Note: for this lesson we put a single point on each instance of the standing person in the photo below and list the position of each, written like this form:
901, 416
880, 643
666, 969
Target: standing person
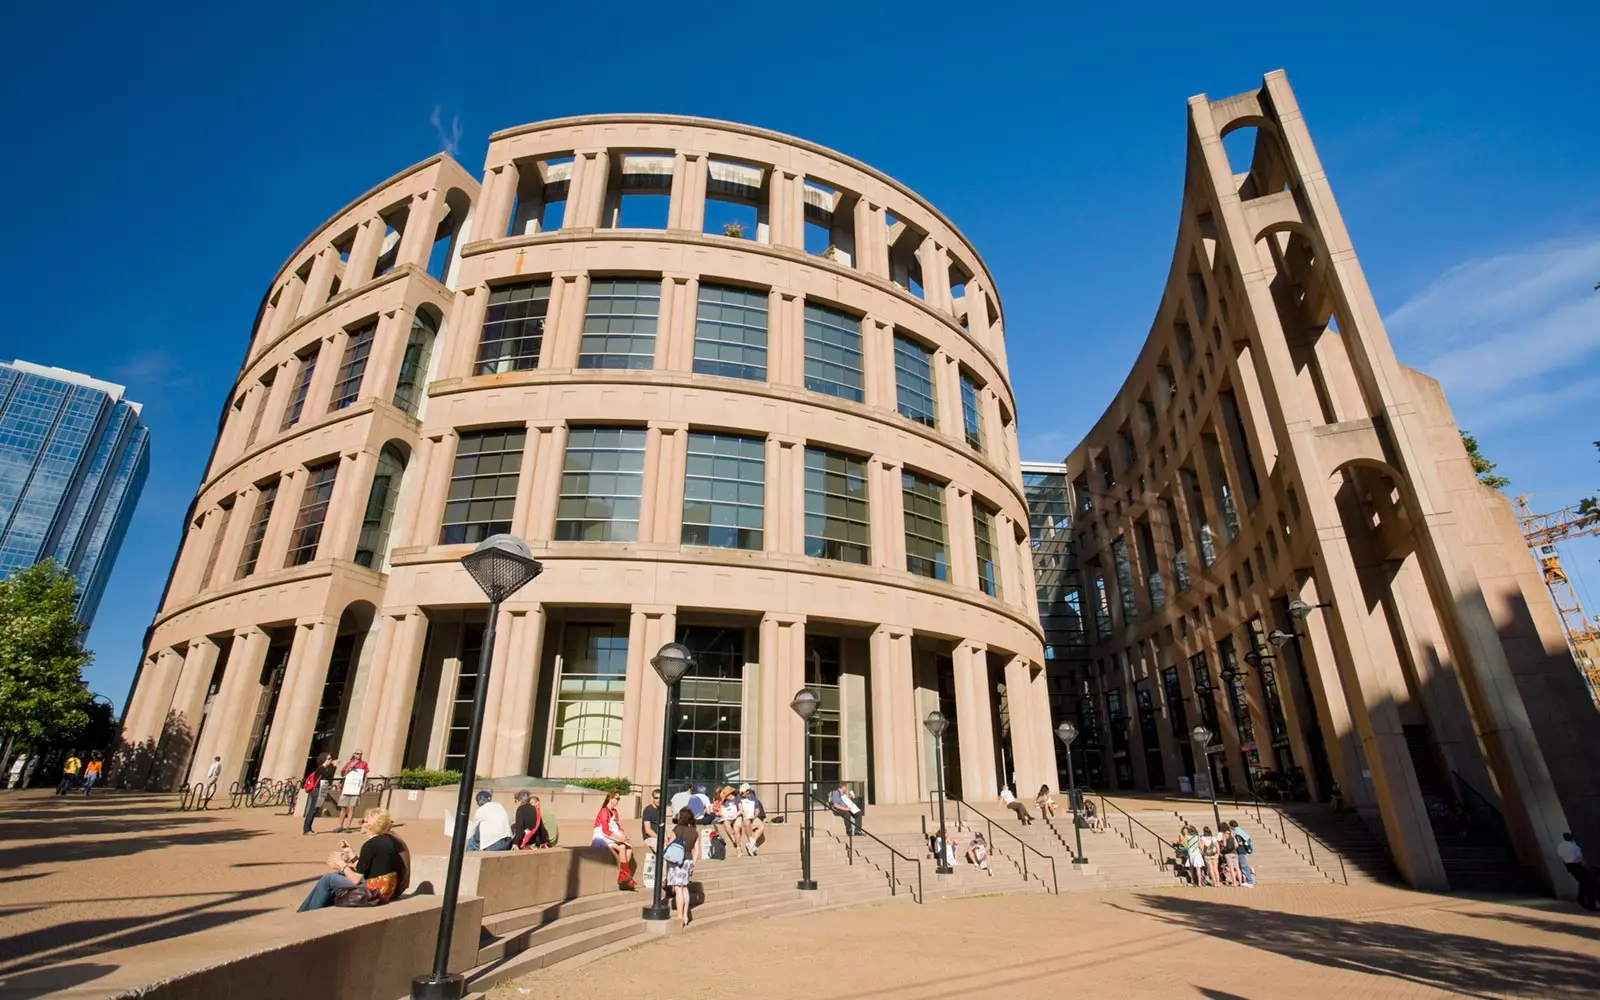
842, 805
491, 827
608, 833
1209, 850
1571, 855
353, 778
316, 787
527, 827
754, 816
91, 773
213, 775
682, 853
1009, 800
69, 774
1193, 858
1243, 848
1229, 849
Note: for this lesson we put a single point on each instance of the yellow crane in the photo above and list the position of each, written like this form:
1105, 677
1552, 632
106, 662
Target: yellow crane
1542, 532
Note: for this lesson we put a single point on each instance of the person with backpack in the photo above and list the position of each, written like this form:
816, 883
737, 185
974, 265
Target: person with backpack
1243, 848
315, 786
682, 852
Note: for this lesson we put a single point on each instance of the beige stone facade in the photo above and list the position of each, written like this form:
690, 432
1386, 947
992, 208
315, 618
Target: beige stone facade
733, 388
1267, 447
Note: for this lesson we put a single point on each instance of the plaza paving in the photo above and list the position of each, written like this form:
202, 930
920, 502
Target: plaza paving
82, 883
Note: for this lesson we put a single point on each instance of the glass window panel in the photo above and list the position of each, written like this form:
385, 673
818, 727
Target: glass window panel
601, 484
836, 507
513, 328
971, 420
926, 554
914, 382
357, 348
833, 353
619, 329
313, 512
730, 334
480, 498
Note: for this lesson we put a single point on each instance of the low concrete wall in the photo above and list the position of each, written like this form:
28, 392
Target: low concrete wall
569, 807
510, 880
328, 954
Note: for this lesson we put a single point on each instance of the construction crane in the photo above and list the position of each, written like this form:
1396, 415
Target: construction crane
1542, 532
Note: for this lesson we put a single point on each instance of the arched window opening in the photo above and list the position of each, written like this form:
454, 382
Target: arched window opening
372, 547
413, 378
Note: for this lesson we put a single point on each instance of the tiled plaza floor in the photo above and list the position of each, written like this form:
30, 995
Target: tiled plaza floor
1221, 944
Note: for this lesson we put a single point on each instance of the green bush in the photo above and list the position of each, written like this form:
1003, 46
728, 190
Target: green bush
622, 786
422, 777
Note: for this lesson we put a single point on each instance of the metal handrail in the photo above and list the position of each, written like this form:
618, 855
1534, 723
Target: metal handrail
1476, 804
1132, 842
933, 807
1055, 881
1283, 832
850, 857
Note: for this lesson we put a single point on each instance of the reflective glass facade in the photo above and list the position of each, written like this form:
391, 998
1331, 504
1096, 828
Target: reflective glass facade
73, 460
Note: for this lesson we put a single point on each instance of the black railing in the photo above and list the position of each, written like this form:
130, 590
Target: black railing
1055, 882
1163, 850
851, 833
1301, 833
933, 809
1482, 813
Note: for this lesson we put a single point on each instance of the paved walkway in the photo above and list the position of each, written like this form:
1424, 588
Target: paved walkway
1222, 944
82, 877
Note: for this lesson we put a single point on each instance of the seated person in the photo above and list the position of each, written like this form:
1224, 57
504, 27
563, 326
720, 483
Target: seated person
700, 807
491, 827
978, 853
528, 830
383, 865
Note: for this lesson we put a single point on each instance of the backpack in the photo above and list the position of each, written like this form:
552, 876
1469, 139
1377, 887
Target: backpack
719, 850
310, 784
1245, 846
674, 853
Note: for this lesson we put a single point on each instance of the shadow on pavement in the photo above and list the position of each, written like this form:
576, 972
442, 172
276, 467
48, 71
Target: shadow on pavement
91, 841
1592, 931
1474, 965
29, 985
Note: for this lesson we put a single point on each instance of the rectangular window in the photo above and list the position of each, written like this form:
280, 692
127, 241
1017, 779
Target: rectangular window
347, 384
263, 393
601, 484
302, 385
730, 333
710, 731
483, 485
824, 664
594, 668
837, 525
313, 512
1124, 571
257, 530
833, 353
223, 516
468, 653
414, 363
983, 532
971, 416
513, 328
724, 491
619, 330
913, 381
926, 554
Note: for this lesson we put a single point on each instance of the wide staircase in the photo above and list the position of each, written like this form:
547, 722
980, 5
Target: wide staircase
1470, 832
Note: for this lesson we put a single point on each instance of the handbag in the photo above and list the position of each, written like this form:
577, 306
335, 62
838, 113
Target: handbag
357, 895
310, 784
674, 854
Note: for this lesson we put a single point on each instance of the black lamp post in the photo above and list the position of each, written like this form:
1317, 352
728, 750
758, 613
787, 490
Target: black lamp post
501, 565
1202, 744
936, 724
671, 661
1067, 733
805, 704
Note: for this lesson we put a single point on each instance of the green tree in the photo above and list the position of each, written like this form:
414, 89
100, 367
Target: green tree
1589, 507
1482, 466
43, 701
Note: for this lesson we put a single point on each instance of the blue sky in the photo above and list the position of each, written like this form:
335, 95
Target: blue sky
162, 163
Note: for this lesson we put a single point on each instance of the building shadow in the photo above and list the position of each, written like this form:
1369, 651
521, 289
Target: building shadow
82, 847
1472, 965
1211, 994
29, 985
1590, 932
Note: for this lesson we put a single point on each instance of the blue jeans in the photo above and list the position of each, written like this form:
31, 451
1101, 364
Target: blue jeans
503, 844
1244, 868
313, 800
322, 892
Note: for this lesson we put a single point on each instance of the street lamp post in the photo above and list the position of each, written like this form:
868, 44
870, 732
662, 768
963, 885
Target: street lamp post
805, 704
501, 565
672, 661
936, 724
1067, 733
1202, 742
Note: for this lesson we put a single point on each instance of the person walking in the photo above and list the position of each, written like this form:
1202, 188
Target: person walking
69, 774
352, 779
682, 853
213, 775
1243, 848
1571, 855
316, 787
91, 773
1010, 801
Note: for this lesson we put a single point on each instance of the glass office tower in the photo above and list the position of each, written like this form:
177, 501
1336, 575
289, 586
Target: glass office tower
73, 458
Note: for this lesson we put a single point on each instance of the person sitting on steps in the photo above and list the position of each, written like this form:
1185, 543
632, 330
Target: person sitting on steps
1010, 801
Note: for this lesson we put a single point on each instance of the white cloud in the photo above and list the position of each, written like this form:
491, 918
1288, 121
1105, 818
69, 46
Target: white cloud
449, 141
1511, 338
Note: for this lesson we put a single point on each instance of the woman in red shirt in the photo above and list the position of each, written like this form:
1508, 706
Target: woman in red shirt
608, 833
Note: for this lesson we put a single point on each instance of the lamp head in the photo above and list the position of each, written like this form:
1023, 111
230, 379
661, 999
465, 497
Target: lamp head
501, 565
1254, 658
672, 661
936, 723
1067, 733
1299, 610
1278, 637
1201, 735
805, 703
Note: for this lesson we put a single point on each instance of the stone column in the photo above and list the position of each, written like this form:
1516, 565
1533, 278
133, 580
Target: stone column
514, 719
508, 629
661, 506
877, 362
1025, 764
285, 509
152, 699
546, 485
318, 282
960, 537
388, 350
526, 498
564, 324
348, 506
189, 700
428, 513
872, 249
780, 748
886, 508
896, 729
1040, 732
974, 722
587, 192
463, 328
303, 680
330, 355
947, 397
385, 739
229, 729
994, 442
422, 221
492, 214
644, 696
977, 302
680, 294
364, 253
935, 275
785, 512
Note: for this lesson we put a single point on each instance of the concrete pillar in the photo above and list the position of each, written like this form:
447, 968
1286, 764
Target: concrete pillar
872, 248
644, 696
422, 221
935, 275
329, 355
463, 328
296, 713
492, 213
877, 360
385, 740
318, 282
364, 253
784, 514
348, 506
526, 498
429, 512
285, 508
1039, 734
947, 397
514, 718
189, 698
546, 486
388, 350
960, 537
587, 192
564, 324
994, 442
974, 721
1024, 749
779, 754
508, 628
229, 728
896, 729
147, 710
680, 294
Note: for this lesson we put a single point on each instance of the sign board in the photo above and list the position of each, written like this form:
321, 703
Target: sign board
1202, 785
1185, 786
